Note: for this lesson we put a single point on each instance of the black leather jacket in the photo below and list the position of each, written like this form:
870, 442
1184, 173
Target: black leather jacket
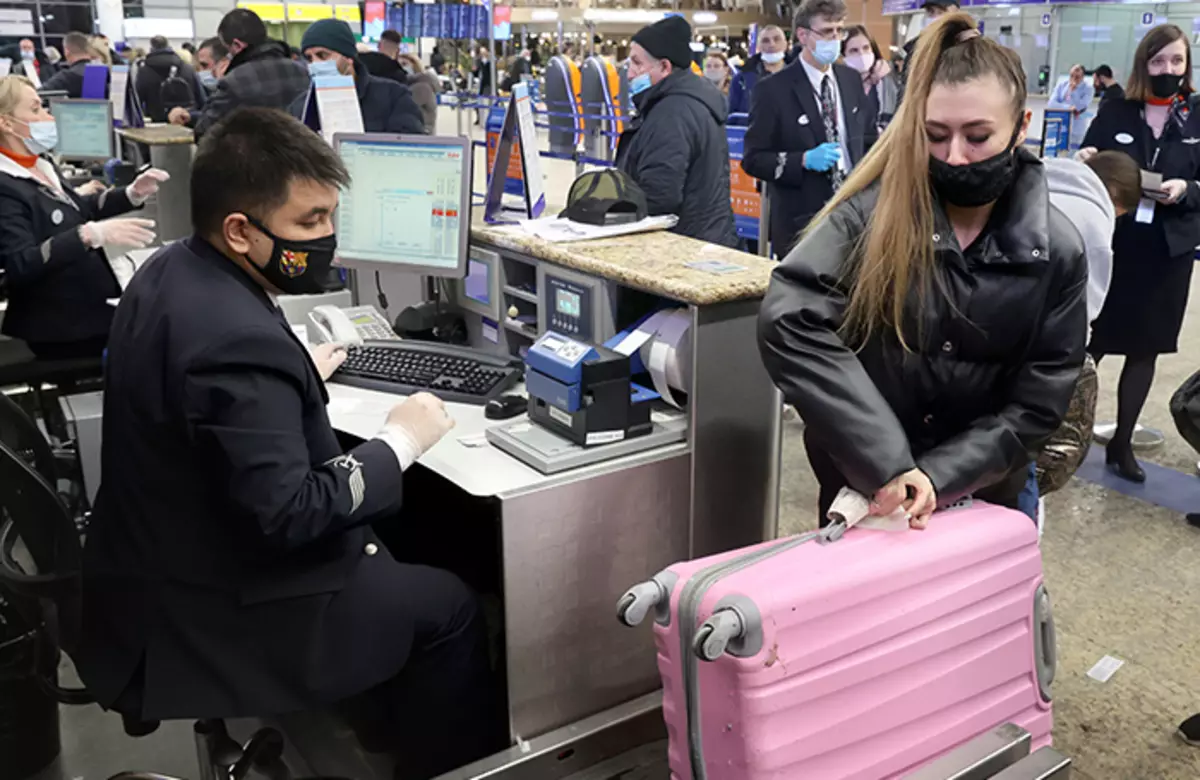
995, 356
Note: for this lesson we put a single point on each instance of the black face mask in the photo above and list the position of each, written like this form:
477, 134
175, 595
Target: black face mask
1165, 85
298, 267
978, 183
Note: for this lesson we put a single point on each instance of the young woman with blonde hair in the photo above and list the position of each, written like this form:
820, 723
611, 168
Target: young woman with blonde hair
930, 326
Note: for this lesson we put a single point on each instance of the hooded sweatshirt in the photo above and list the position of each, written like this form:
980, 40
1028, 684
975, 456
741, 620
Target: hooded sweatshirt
1078, 193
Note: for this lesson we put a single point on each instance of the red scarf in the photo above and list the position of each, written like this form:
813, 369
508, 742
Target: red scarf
26, 161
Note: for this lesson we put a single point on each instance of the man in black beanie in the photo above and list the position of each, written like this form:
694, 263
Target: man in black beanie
675, 147
387, 106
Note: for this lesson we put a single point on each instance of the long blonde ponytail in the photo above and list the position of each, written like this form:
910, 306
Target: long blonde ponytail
895, 254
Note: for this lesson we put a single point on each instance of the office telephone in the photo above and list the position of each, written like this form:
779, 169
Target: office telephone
351, 325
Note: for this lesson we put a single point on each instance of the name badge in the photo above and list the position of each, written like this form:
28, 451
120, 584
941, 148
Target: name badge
1123, 138
803, 120
56, 216
1145, 211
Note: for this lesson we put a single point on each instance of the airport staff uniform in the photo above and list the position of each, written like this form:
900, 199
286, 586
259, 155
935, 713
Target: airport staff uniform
785, 122
230, 568
58, 287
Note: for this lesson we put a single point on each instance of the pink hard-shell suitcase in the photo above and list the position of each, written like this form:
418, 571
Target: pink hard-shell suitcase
852, 655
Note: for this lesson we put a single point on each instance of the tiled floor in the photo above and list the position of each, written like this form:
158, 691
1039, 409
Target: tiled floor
1123, 576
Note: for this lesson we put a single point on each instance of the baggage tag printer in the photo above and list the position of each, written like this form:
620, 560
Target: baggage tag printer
584, 393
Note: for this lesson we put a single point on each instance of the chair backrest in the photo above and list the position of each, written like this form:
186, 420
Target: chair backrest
20, 434
31, 513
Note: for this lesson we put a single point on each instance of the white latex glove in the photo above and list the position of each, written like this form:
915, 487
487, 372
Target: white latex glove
117, 235
423, 418
1085, 154
328, 357
146, 185
1175, 189
92, 187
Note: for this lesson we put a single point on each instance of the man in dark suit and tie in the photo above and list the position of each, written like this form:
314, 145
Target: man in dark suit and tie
810, 124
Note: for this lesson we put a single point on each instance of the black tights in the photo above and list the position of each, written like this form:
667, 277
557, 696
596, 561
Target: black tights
1137, 375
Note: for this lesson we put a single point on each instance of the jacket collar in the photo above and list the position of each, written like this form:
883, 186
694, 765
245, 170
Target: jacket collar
202, 248
1018, 231
362, 78
266, 50
11, 168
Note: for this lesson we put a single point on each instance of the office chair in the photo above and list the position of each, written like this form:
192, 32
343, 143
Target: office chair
21, 434
45, 594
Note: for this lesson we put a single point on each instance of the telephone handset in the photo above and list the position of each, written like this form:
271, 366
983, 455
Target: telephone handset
352, 325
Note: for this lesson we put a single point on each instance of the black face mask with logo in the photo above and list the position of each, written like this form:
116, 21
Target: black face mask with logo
298, 267
978, 183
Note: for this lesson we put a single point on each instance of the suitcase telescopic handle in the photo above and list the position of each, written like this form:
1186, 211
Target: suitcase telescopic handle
639, 600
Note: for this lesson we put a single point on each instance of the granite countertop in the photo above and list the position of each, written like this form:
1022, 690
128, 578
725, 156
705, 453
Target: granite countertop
158, 135
654, 262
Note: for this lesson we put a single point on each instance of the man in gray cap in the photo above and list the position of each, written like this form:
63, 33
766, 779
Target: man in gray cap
675, 147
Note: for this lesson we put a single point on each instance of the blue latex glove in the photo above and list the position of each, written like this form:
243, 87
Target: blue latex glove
823, 157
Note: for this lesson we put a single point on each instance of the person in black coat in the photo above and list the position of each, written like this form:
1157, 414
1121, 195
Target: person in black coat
385, 63
231, 569
77, 51
1154, 249
1105, 85
772, 58
930, 326
261, 73
802, 154
55, 245
675, 146
387, 106
155, 70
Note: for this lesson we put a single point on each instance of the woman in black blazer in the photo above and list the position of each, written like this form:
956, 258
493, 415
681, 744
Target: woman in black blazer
53, 241
1158, 125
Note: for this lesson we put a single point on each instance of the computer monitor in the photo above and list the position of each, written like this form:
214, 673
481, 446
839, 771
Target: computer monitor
408, 206
85, 129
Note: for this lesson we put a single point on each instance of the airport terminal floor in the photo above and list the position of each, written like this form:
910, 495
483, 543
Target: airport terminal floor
1124, 574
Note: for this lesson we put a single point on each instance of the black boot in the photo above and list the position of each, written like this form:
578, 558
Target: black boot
1194, 519
1121, 462
1189, 730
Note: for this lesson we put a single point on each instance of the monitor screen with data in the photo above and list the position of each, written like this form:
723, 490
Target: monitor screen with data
85, 129
408, 205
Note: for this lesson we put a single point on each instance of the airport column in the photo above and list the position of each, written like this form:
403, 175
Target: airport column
110, 17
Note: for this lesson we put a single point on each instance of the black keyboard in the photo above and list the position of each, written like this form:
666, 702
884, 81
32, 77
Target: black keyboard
451, 373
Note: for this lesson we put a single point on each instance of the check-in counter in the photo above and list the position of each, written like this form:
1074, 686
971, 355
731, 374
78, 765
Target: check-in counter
571, 541
171, 149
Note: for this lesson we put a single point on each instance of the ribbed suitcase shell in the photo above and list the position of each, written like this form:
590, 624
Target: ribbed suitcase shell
879, 652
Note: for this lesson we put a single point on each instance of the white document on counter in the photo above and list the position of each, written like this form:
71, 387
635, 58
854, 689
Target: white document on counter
561, 230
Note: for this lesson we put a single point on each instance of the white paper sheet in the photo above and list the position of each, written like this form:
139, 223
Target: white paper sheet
561, 230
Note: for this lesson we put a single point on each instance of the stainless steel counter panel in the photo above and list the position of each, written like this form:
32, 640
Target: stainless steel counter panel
735, 432
569, 553
174, 198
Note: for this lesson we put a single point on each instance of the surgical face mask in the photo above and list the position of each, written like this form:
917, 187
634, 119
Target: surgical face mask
27, 55
297, 267
322, 68
978, 183
1165, 85
861, 62
827, 52
772, 57
715, 76
640, 84
43, 136
207, 78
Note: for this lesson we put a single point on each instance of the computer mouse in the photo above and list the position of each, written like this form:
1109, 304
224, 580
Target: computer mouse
505, 406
